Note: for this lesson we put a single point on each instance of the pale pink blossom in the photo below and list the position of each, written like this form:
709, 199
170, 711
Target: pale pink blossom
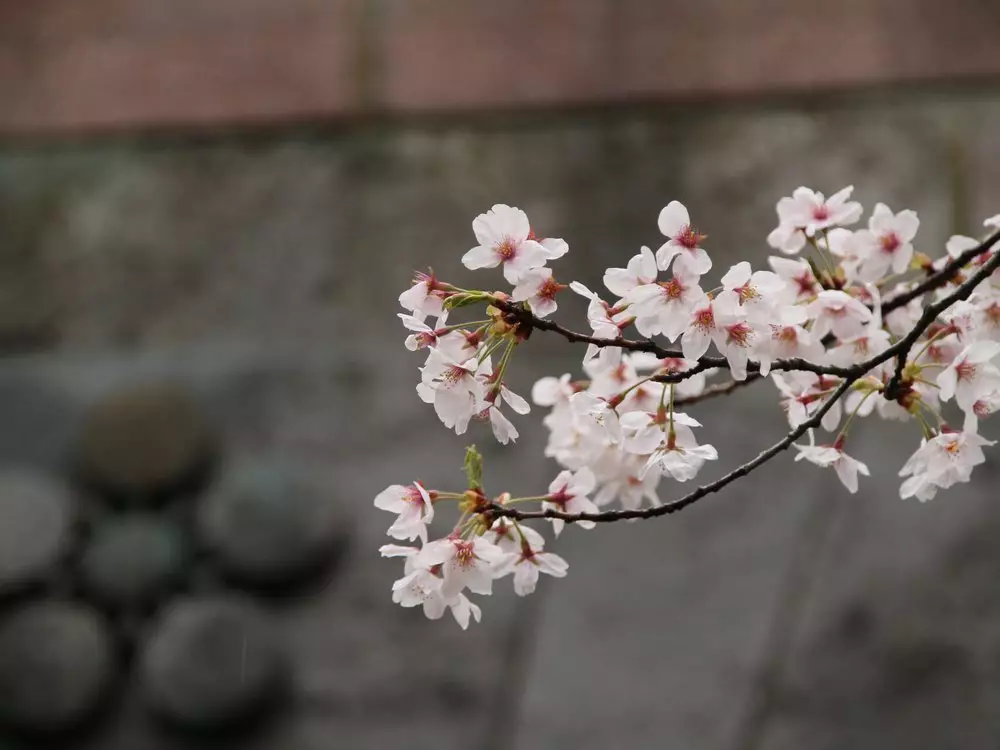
888, 242
503, 236
839, 313
847, 468
641, 270
538, 288
971, 376
465, 563
683, 242
569, 493
945, 460
414, 507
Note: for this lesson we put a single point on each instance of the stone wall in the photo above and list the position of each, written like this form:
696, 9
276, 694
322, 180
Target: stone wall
261, 271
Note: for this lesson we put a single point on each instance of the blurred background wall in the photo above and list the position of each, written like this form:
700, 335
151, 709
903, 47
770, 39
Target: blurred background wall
226, 198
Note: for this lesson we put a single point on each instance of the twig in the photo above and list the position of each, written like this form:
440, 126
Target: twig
941, 277
901, 348
719, 389
527, 318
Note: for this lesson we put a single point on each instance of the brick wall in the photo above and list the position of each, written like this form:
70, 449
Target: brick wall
69, 66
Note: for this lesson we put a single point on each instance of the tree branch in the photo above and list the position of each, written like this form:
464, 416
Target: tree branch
900, 349
941, 277
720, 389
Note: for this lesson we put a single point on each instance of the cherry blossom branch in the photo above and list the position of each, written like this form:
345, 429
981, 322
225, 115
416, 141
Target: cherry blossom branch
720, 389
900, 349
941, 277
673, 506
932, 311
531, 321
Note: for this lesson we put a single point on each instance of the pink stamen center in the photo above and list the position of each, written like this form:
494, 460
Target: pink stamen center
739, 334
464, 554
688, 237
821, 212
965, 370
672, 289
507, 249
890, 242
704, 319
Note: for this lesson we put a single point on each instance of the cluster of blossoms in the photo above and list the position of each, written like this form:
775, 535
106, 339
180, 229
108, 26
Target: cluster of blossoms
847, 322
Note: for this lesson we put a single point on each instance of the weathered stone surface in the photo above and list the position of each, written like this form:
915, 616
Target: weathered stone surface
36, 514
212, 663
56, 664
144, 441
268, 526
133, 560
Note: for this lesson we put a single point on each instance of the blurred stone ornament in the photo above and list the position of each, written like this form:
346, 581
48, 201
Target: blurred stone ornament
134, 560
268, 527
37, 515
213, 663
57, 663
145, 442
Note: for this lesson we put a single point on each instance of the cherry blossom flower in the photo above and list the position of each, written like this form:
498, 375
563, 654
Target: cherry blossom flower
888, 242
735, 336
690, 386
414, 506
839, 313
626, 481
760, 293
803, 393
814, 213
421, 587
683, 241
786, 342
798, 277
539, 289
503, 235
527, 563
641, 270
423, 336
680, 457
645, 431
568, 493
847, 468
452, 388
971, 376
808, 212
507, 536
664, 307
946, 459
603, 322
425, 297
465, 563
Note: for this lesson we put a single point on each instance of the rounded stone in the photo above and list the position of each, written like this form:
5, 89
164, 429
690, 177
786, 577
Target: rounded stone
36, 515
212, 663
132, 560
268, 527
144, 441
57, 662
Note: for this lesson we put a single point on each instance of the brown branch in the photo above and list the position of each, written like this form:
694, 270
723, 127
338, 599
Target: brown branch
719, 389
525, 317
901, 348
941, 277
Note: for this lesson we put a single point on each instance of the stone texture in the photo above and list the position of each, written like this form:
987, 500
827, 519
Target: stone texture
268, 527
144, 442
212, 663
134, 560
56, 664
36, 531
